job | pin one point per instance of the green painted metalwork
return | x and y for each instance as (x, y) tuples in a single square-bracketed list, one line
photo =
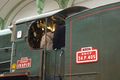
[(4, 45), (5, 51), (54, 64), (1, 23), (40, 5), (62, 3), (23, 50), (98, 28)]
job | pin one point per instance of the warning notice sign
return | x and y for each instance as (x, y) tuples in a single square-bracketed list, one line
[(24, 62), (87, 55)]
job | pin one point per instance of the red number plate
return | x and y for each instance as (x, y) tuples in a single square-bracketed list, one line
[(24, 62), (87, 55)]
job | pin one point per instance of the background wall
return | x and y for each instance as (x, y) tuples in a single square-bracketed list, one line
[(12, 10), (94, 3)]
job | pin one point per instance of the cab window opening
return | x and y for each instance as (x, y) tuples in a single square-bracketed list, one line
[(51, 37), (35, 33)]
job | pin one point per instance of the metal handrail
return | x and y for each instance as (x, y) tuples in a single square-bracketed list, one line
[(5, 48)]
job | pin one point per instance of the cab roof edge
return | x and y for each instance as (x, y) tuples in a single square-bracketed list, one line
[(37, 16)]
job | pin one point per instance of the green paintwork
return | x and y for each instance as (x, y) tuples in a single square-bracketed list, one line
[(98, 28), (1, 23), (62, 3), (23, 50), (55, 64), (3, 46), (5, 51), (40, 5)]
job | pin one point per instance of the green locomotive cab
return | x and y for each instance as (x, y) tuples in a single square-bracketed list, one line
[(72, 44), (39, 44)]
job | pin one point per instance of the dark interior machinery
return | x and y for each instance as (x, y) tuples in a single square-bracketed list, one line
[(39, 27)]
